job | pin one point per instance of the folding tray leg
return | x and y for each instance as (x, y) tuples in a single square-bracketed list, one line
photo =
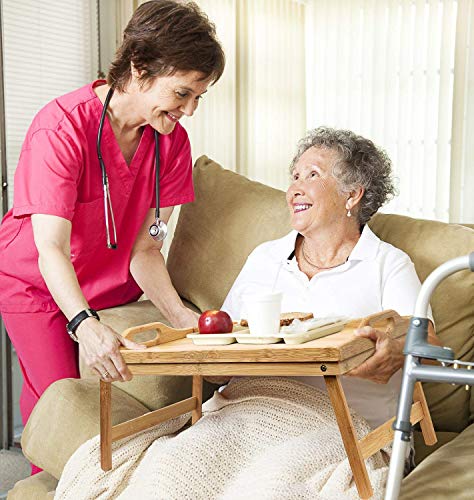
[(426, 424), (348, 434), (105, 425), (197, 393)]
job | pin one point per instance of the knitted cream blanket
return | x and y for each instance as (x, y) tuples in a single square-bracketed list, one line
[(261, 438)]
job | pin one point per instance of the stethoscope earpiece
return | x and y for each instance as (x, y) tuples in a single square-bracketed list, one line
[(158, 230)]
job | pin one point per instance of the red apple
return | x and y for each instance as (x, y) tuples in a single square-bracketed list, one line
[(215, 322)]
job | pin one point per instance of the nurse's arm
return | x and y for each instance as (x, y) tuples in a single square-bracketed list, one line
[(148, 268), (52, 239), (99, 344)]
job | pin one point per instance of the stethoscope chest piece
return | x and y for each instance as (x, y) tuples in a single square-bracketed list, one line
[(158, 230)]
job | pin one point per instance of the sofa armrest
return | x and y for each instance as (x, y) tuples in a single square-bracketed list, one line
[(41, 486), (423, 450), (66, 416), (446, 473)]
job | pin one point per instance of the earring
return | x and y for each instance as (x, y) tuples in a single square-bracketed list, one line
[(349, 213)]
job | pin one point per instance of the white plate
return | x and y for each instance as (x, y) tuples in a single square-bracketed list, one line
[(212, 338), (248, 338), (316, 333)]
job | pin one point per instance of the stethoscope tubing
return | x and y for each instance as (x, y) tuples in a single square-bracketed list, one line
[(158, 230)]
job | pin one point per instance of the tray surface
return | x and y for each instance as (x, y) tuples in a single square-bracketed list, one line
[(337, 347)]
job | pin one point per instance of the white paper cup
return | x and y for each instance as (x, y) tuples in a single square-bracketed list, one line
[(263, 313)]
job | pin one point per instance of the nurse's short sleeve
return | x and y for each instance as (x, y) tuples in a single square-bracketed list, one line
[(47, 175), (176, 176)]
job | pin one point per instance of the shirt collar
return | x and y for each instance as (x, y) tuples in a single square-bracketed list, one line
[(365, 249), (367, 246)]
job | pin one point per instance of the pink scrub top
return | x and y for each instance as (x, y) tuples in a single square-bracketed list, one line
[(58, 173)]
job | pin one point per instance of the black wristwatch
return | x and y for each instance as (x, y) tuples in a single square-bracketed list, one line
[(71, 327)]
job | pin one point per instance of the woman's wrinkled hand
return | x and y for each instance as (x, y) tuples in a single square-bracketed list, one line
[(385, 361), (99, 346)]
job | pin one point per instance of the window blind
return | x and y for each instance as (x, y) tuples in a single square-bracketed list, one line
[(212, 129), (385, 70), (48, 51), (252, 119)]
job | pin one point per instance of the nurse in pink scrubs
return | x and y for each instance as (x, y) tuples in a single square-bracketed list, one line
[(55, 266)]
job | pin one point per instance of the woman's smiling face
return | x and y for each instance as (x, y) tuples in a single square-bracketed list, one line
[(314, 197), (168, 98)]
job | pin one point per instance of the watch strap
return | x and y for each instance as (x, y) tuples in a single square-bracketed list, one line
[(72, 326)]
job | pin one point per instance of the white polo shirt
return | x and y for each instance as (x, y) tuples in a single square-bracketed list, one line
[(376, 276)]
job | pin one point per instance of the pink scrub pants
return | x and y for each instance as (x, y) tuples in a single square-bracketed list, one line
[(45, 352)]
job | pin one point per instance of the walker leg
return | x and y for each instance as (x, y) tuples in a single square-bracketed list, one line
[(105, 425), (197, 393), (348, 434), (397, 466), (402, 434)]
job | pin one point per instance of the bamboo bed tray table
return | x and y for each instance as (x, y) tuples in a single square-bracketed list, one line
[(171, 353)]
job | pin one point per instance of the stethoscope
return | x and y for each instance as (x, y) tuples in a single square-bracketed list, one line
[(158, 230)]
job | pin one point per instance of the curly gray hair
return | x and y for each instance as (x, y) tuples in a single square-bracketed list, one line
[(360, 163)]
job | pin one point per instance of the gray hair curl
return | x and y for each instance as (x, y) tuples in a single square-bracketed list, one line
[(360, 163)]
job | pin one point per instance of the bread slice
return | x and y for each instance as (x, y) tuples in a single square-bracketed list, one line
[(286, 318)]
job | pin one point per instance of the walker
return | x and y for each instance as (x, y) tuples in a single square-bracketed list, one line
[(416, 348)]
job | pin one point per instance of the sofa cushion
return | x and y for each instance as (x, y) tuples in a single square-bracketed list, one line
[(66, 416), (214, 235), (430, 244), (41, 486), (423, 450), (446, 473)]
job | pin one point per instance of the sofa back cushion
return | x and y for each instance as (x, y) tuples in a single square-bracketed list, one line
[(232, 215), (429, 244), (214, 235)]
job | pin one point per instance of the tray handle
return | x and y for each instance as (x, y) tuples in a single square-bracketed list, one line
[(164, 333), (397, 325)]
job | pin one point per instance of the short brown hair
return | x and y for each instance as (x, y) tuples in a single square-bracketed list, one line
[(165, 36)]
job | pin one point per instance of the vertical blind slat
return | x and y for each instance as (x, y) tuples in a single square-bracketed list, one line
[(399, 71)]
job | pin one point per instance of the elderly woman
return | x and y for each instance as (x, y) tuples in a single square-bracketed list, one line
[(276, 438), (77, 240), (333, 264)]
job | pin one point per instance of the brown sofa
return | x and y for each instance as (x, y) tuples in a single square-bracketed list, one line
[(230, 217)]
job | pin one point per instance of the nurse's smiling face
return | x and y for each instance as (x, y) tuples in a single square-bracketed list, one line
[(162, 103), (314, 198)]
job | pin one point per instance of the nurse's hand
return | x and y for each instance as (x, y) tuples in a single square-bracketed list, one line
[(384, 362), (99, 346), (185, 319)]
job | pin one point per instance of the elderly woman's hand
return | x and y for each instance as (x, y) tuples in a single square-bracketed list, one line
[(384, 362)]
